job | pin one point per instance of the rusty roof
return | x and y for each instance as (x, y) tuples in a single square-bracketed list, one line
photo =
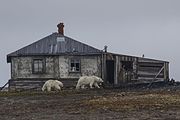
[(54, 44)]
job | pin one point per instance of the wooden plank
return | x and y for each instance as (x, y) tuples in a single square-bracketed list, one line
[(26, 84), (149, 64), (147, 80), (149, 60), (1, 88), (159, 72), (150, 76), (166, 71), (148, 73), (116, 70), (151, 70)]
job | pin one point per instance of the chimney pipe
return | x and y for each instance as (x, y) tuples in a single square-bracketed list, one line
[(60, 28), (105, 48)]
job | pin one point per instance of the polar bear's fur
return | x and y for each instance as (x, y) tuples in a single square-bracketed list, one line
[(55, 84), (89, 80)]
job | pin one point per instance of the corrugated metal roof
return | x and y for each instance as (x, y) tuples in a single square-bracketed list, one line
[(55, 44), (58, 44)]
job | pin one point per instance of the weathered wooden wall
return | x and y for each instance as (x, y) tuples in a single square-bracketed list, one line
[(22, 67), (57, 67), (36, 84), (149, 69), (142, 69), (122, 76)]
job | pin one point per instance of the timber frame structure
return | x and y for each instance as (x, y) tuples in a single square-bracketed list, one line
[(119, 69)]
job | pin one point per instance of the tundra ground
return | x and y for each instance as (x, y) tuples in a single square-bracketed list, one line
[(97, 104)]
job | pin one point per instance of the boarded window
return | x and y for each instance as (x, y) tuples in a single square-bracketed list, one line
[(38, 66), (74, 65)]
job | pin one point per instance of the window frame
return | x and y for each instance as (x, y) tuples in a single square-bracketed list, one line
[(75, 62), (43, 66)]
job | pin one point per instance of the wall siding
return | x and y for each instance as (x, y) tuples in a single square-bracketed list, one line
[(57, 67), (22, 68), (148, 69), (143, 69)]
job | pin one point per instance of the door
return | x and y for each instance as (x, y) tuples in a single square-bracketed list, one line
[(110, 71)]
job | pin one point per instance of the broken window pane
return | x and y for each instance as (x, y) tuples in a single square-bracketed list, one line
[(75, 65)]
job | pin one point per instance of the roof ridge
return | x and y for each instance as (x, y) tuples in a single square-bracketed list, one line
[(50, 45)]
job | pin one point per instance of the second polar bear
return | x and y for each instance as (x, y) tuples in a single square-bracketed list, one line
[(89, 80), (52, 84)]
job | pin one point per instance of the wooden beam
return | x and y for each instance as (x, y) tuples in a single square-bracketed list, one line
[(159, 72), (4, 86), (156, 76)]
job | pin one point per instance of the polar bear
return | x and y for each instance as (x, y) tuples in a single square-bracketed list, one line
[(89, 80), (55, 84)]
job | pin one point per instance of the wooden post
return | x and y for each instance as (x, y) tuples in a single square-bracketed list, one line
[(102, 65), (116, 70), (105, 71), (166, 71), (4, 86), (165, 67)]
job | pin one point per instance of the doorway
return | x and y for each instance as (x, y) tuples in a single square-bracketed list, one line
[(127, 70), (110, 71)]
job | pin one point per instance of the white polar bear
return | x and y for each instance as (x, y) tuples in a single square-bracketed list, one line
[(55, 84), (89, 80)]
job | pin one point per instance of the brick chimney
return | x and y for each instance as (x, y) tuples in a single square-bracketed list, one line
[(60, 28)]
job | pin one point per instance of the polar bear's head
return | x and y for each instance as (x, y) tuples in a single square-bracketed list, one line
[(59, 83), (98, 79)]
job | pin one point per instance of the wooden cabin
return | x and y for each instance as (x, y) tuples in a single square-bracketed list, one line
[(60, 57)]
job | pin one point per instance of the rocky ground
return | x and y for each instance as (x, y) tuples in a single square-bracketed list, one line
[(159, 103)]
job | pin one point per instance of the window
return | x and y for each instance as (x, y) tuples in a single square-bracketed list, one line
[(38, 66), (127, 65), (75, 65)]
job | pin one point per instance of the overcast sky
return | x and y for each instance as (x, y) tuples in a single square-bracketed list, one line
[(132, 27)]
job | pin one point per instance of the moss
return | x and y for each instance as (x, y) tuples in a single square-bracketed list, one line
[(136, 102), (36, 93)]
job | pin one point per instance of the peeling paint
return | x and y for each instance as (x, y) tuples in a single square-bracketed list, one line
[(55, 67)]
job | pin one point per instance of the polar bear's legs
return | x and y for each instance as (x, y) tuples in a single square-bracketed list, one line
[(96, 85), (83, 86), (78, 86), (48, 88), (44, 87), (57, 87), (91, 84)]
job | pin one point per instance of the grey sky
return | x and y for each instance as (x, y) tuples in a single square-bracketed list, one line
[(132, 27)]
